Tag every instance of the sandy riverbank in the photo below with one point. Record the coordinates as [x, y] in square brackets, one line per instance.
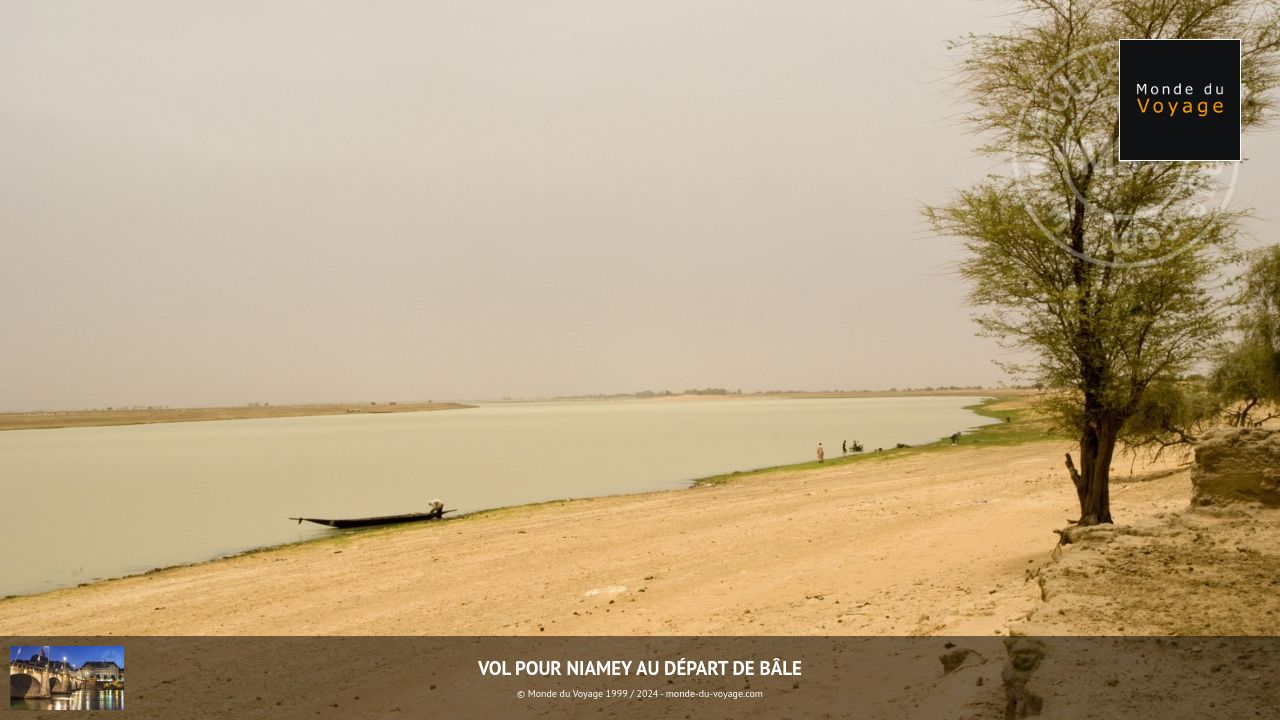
[936, 542]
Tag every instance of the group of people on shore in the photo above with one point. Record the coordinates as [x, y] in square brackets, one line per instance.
[847, 447]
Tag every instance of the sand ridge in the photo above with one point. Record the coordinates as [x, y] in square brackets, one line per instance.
[53, 420]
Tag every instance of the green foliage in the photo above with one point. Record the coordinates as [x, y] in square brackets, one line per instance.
[707, 391]
[1105, 274]
[1247, 376]
[1170, 413]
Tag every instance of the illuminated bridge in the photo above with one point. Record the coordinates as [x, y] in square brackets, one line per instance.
[40, 677]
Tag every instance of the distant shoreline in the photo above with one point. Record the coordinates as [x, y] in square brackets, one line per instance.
[54, 419]
[787, 394]
[104, 418]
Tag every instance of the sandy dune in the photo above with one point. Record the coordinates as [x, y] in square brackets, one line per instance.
[930, 543]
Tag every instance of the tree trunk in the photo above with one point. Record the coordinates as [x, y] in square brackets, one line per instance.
[1098, 440]
[1093, 480]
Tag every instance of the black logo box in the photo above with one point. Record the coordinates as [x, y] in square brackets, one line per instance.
[1184, 65]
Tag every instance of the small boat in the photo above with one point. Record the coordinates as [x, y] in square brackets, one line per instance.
[372, 521]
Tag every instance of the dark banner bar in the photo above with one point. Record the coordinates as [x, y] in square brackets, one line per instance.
[665, 677]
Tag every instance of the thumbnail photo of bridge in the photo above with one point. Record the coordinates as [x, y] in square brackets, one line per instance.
[66, 677]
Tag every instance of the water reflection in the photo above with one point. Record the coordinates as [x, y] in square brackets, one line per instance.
[78, 700]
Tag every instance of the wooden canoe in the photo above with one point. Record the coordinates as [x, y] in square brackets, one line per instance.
[371, 521]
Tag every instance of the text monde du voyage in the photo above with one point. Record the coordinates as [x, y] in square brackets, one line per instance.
[1180, 100]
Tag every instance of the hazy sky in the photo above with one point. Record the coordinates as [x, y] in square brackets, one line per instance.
[230, 202]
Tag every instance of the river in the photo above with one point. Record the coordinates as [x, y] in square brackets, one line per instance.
[84, 504]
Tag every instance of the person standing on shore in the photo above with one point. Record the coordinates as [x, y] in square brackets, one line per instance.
[821, 453]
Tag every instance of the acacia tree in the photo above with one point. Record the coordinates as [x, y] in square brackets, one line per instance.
[1105, 273]
[1247, 376]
